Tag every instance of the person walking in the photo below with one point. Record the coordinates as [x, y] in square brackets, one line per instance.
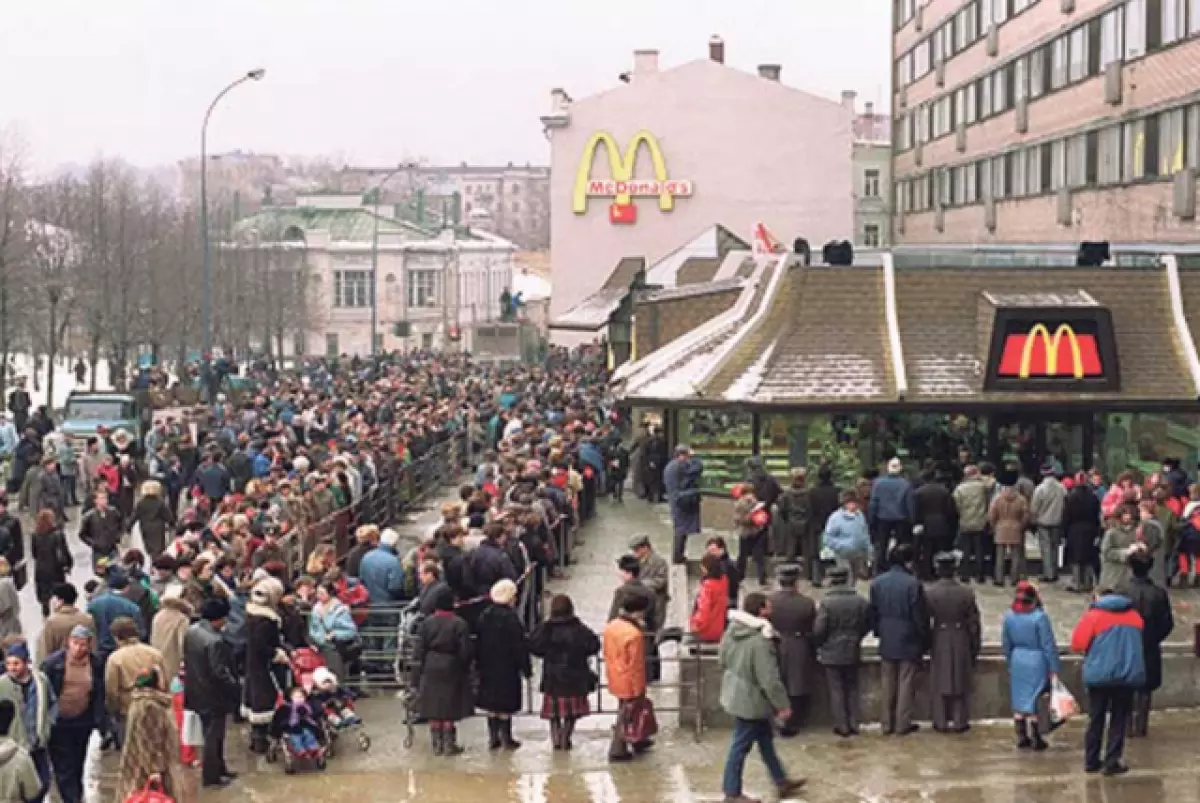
[1027, 639]
[1153, 604]
[28, 689]
[152, 748]
[124, 666]
[168, 631]
[1109, 636]
[824, 499]
[1046, 512]
[19, 781]
[625, 666]
[681, 478]
[1081, 526]
[971, 499]
[752, 522]
[101, 528]
[630, 569]
[957, 640]
[795, 507]
[52, 560]
[212, 688]
[503, 662]
[110, 605]
[76, 677]
[843, 619]
[1009, 516]
[63, 620]
[1117, 547]
[793, 616]
[48, 493]
[890, 512]
[264, 655]
[154, 517]
[441, 674]
[10, 602]
[655, 575]
[752, 692]
[566, 646]
[902, 625]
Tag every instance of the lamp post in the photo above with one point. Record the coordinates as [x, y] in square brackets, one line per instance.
[375, 259]
[253, 75]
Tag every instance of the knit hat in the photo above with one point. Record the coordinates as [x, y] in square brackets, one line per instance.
[323, 677]
[894, 466]
[81, 631]
[504, 592]
[389, 537]
[214, 609]
[117, 578]
[18, 650]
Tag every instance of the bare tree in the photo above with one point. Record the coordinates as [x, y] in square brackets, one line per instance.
[13, 281]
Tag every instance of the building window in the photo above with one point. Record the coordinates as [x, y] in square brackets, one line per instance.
[1058, 164]
[422, 288]
[921, 60]
[985, 190]
[1194, 17]
[1033, 171]
[966, 26]
[944, 196]
[985, 97]
[1077, 160]
[958, 184]
[1037, 73]
[904, 70]
[923, 123]
[1193, 136]
[1058, 63]
[331, 344]
[1000, 177]
[943, 43]
[1135, 29]
[971, 181]
[352, 288]
[871, 235]
[1109, 156]
[427, 340]
[1111, 37]
[1020, 79]
[1170, 142]
[1000, 90]
[972, 101]
[1021, 5]
[1134, 146]
[1078, 69]
[1174, 20]
[871, 183]
[1020, 175]
[941, 117]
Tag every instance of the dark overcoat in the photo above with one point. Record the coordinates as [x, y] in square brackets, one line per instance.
[503, 660]
[1154, 604]
[681, 480]
[263, 638]
[901, 616]
[956, 636]
[794, 509]
[1081, 522]
[565, 647]
[442, 668]
[793, 616]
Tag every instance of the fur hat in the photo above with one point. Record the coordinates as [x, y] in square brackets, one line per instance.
[504, 592]
[389, 537]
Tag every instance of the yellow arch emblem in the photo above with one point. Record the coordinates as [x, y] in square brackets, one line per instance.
[622, 166]
[1051, 344]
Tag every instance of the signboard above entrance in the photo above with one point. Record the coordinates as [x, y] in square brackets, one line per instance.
[1069, 349]
[623, 186]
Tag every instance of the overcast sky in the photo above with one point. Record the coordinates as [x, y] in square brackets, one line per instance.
[381, 80]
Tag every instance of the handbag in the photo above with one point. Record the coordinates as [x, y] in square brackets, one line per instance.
[152, 792]
[640, 723]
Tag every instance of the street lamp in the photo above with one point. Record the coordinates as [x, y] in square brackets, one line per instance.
[375, 260]
[253, 75]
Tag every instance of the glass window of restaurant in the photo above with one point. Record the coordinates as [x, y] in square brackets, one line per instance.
[723, 439]
[1140, 442]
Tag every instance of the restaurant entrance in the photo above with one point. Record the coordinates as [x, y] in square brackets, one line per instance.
[1031, 439]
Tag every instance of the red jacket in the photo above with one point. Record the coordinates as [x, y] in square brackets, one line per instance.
[712, 606]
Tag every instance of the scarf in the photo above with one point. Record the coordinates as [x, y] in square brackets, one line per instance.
[1027, 600]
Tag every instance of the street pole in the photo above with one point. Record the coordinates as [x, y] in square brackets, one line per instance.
[375, 261]
[252, 75]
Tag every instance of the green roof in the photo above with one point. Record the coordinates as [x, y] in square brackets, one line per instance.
[347, 225]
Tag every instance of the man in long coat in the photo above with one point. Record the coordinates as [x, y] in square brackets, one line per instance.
[793, 616]
[954, 624]
[682, 480]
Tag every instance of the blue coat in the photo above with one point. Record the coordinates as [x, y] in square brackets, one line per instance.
[106, 608]
[846, 535]
[382, 574]
[1032, 656]
[681, 480]
[892, 500]
[335, 624]
[589, 455]
[902, 617]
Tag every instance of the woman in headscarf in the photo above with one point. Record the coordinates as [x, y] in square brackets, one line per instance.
[565, 646]
[151, 742]
[503, 662]
[1032, 657]
[441, 673]
[264, 656]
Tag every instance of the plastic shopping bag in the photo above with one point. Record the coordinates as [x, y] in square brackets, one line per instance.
[152, 792]
[1063, 705]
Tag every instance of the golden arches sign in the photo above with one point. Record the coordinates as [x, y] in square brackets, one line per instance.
[1051, 344]
[622, 164]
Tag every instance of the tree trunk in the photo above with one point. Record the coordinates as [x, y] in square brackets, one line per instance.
[5, 345]
[51, 353]
[94, 359]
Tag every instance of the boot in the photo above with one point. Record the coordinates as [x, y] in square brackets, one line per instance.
[1023, 742]
[493, 733]
[435, 739]
[506, 735]
[450, 746]
[568, 728]
[556, 738]
[1038, 742]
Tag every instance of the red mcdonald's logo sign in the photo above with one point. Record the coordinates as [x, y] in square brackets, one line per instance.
[1039, 355]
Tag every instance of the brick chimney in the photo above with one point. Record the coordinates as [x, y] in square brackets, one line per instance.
[716, 49]
[645, 62]
[770, 71]
[848, 98]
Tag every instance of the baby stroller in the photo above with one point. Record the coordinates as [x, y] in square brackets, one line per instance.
[406, 648]
[338, 704]
[298, 733]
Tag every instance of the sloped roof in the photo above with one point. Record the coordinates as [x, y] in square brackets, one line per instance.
[344, 225]
[593, 312]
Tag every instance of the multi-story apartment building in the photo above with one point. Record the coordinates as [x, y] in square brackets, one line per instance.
[1044, 120]
[872, 174]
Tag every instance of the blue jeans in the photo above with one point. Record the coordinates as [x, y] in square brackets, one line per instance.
[747, 733]
[303, 741]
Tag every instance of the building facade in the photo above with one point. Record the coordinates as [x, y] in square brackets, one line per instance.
[872, 158]
[433, 289]
[1046, 120]
[667, 154]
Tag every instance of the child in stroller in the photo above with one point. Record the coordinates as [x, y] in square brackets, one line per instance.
[297, 728]
[338, 704]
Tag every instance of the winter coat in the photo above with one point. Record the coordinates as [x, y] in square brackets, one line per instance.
[264, 640]
[442, 668]
[1009, 516]
[101, 530]
[489, 565]
[168, 632]
[956, 637]
[901, 615]
[1027, 640]
[95, 716]
[824, 499]
[382, 574]
[793, 616]
[936, 512]
[1109, 635]
[846, 535]
[971, 499]
[751, 686]
[892, 499]
[52, 560]
[1153, 604]
[154, 517]
[151, 746]
[565, 647]
[681, 480]
[10, 608]
[57, 629]
[656, 576]
[330, 623]
[844, 617]
[49, 495]
[19, 779]
[456, 570]
[795, 508]
[625, 658]
[105, 609]
[707, 622]
[1046, 507]
[44, 710]
[634, 588]
[354, 557]
[503, 656]
[1115, 572]
[121, 671]
[1153, 534]
[212, 687]
[1081, 524]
